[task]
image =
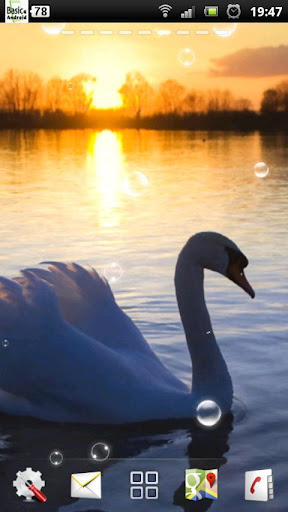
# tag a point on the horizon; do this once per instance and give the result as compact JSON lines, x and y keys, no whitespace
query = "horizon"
{"x":239,"y":63}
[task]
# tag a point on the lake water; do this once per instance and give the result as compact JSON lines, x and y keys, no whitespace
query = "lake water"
{"x":133,"y":198}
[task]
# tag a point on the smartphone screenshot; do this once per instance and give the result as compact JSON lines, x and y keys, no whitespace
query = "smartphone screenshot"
{"x":143,"y":256}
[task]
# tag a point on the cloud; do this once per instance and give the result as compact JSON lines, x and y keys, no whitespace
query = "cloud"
{"x":253,"y":62}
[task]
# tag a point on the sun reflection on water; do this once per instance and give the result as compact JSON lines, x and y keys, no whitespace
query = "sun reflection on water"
{"x":105,"y":164}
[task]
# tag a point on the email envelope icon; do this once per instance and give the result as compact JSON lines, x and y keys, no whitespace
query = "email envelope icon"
{"x":86,"y":485}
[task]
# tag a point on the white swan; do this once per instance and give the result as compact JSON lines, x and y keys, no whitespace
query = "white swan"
{"x":101,"y":369}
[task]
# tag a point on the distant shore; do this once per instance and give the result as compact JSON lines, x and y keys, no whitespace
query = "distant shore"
{"x":112,"y":119}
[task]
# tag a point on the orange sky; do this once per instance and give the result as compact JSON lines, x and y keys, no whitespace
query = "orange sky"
{"x":110,"y":57}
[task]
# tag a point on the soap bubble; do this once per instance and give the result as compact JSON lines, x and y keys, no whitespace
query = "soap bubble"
{"x":162,"y":33}
{"x":135,"y":184}
{"x":113,"y":272}
{"x":261,"y":170}
{"x":53,"y":29}
{"x":70,"y":86}
{"x":100,"y":451}
{"x":186,"y":57}
{"x":238,"y":409}
{"x":225,"y":30}
{"x":56,"y":458}
{"x":208,"y":413}
{"x":5,"y":343}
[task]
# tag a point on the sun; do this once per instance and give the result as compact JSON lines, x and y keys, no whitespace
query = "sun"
{"x":104,"y":93}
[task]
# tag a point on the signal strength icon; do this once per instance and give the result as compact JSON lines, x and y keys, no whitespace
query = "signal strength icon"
{"x":165,"y":9}
{"x":190,"y":13}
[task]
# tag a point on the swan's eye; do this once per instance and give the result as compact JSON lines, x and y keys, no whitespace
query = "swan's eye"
{"x":237,"y":257}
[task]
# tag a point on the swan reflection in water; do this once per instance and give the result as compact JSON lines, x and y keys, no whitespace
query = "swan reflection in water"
{"x":167,"y":447}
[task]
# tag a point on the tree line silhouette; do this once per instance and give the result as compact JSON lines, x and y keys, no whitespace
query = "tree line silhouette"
{"x":27,"y":101}
{"x":276,"y":99}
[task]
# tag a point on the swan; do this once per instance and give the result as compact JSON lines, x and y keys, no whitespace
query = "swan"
{"x":75,"y":356}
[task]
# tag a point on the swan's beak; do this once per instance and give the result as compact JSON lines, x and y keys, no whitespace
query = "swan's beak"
{"x":238,"y":277}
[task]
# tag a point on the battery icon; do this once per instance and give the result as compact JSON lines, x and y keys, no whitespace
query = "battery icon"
{"x":211,"y":10}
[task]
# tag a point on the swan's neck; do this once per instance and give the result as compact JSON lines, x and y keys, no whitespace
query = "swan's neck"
{"x":210,"y":377}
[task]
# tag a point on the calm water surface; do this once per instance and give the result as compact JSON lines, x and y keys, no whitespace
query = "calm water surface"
{"x":79,"y":195}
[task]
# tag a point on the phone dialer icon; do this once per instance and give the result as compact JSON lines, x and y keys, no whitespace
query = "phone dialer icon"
{"x":259,"y":485}
{"x":252,"y":488}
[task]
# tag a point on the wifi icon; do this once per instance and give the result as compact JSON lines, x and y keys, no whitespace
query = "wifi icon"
{"x":165,"y":9}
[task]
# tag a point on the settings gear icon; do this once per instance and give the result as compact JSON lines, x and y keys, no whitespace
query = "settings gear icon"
{"x":23,"y":486}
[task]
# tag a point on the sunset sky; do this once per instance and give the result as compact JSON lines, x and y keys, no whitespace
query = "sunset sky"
{"x":253,"y":58}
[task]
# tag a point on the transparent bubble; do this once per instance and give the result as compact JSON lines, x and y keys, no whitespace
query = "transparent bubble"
{"x":208,"y":413}
{"x":162,"y":33}
{"x":56,"y":458}
{"x":261,"y":170}
{"x":70,"y":86}
{"x":186,"y":57}
{"x":135,"y":184}
{"x":5,"y":343}
{"x":225,"y":29}
{"x":53,"y":28}
{"x":239,"y":409}
{"x":100,"y":451}
{"x":113,"y":272}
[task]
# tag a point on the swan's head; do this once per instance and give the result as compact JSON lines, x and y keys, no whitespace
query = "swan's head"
{"x":218,"y":253}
